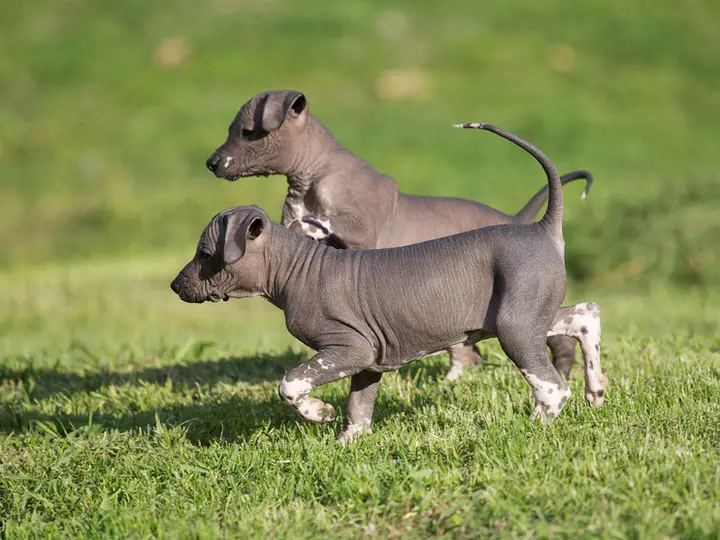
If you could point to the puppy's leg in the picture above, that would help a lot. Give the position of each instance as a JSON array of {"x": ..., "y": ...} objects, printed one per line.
[
  {"x": 358, "y": 416},
  {"x": 582, "y": 322},
  {"x": 342, "y": 230},
  {"x": 462, "y": 356},
  {"x": 317, "y": 228},
  {"x": 563, "y": 353},
  {"x": 329, "y": 364},
  {"x": 527, "y": 349}
]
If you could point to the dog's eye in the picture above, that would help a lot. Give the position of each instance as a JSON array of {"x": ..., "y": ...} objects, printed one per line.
[
  {"x": 247, "y": 132},
  {"x": 204, "y": 256}
]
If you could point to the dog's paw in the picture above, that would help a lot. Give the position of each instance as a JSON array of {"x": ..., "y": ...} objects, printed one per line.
[
  {"x": 597, "y": 398},
  {"x": 316, "y": 228},
  {"x": 541, "y": 413},
  {"x": 353, "y": 432},
  {"x": 315, "y": 410},
  {"x": 296, "y": 226}
]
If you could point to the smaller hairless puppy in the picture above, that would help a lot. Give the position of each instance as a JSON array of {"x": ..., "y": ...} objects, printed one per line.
[
  {"x": 366, "y": 312},
  {"x": 339, "y": 199}
]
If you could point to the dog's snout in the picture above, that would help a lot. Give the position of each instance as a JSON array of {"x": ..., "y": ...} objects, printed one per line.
[
  {"x": 175, "y": 286},
  {"x": 213, "y": 162}
]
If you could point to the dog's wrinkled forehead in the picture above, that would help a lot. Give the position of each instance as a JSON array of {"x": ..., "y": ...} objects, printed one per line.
[
  {"x": 213, "y": 233},
  {"x": 246, "y": 116}
]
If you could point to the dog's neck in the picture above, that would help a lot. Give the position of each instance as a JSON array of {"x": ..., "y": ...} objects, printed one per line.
[
  {"x": 317, "y": 155},
  {"x": 289, "y": 259}
]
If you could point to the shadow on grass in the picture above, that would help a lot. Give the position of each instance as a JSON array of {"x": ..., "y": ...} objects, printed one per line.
[
  {"x": 231, "y": 418},
  {"x": 43, "y": 383},
  {"x": 235, "y": 418}
]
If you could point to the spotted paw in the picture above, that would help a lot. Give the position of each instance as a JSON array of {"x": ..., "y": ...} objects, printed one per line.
[
  {"x": 597, "y": 398},
  {"x": 316, "y": 228},
  {"x": 540, "y": 414},
  {"x": 315, "y": 410}
]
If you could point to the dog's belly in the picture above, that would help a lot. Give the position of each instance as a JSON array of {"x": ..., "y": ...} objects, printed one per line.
[{"x": 392, "y": 361}]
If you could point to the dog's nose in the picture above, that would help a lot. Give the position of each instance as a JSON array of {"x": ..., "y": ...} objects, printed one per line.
[
  {"x": 175, "y": 286},
  {"x": 213, "y": 162}
]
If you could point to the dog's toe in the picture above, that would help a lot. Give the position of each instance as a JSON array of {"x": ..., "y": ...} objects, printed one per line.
[{"x": 595, "y": 399}]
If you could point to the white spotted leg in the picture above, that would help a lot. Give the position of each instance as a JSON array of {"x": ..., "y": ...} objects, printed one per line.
[
  {"x": 529, "y": 353},
  {"x": 316, "y": 228},
  {"x": 329, "y": 364},
  {"x": 582, "y": 321}
]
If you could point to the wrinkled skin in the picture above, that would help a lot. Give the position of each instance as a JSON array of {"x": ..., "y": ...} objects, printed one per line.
[
  {"x": 274, "y": 133},
  {"x": 214, "y": 274},
  {"x": 332, "y": 304},
  {"x": 258, "y": 143}
]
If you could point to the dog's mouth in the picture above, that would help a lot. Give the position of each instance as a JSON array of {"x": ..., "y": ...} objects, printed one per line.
[
  {"x": 246, "y": 174},
  {"x": 218, "y": 297}
]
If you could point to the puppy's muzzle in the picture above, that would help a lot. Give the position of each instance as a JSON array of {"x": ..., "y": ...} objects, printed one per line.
[
  {"x": 178, "y": 288},
  {"x": 220, "y": 164}
]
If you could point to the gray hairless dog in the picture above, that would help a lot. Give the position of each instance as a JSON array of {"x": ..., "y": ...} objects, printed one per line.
[
  {"x": 339, "y": 199},
  {"x": 366, "y": 312}
]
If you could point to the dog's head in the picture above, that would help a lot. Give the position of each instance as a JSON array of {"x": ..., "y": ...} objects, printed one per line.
[
  {"x": 259, "y": 141},
  {"x": 230, "y": 258}
]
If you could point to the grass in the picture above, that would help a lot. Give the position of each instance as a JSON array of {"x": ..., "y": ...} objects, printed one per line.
[
  {"x": 171, "y": 426},
  {"x": 125, "y": 413}
]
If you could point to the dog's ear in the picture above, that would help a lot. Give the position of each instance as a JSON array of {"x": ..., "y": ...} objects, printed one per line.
[
  {"x": 242, "y": 225},
  {"x": 280, "y": 105}
]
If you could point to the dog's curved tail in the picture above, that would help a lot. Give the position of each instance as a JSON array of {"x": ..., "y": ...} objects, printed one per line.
[
  {"x": 530, "y": 210},
  {"x": 552, "y": 220}
]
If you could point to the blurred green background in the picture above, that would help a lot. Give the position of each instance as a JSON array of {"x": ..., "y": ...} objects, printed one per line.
[{"x": 109, "y": 111}]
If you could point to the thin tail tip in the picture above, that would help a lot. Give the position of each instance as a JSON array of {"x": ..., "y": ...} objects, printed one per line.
[
  {"x": 471, "y": 125},
  {"x": 586, "y": 191}
]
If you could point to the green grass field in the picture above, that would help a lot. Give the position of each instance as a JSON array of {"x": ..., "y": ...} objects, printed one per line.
[{"x": 125, "y": 413}]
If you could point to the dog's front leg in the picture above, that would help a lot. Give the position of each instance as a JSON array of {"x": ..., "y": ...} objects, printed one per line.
[
  {"x": 582, "y": 321},
  {"x": 342, "y": 230},
  {"x": 358, "y": 415},
  {"x": 329, "y": 364}
]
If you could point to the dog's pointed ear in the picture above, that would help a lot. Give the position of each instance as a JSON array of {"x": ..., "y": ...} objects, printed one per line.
[
  {"x": 243, "y": 225},
  {"x": 280, "y": 105}
]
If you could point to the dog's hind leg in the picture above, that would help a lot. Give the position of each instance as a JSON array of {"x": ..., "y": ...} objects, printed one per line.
[
  {"x": 582, "y": 322},
  {"x": 360, "y": 405},
  {"x": 462, "y": 357},
  {"x": 563, "y": 353},
  {"x": 527, "y": 349}
]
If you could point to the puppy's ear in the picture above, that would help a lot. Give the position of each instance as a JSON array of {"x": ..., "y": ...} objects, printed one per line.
[
  {"x": 243, "y": 225},
  {"x": 280, "y": 105}
]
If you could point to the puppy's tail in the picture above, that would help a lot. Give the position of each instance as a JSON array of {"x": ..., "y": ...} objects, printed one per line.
[
  {"x": 552, "y": 220},
  {"x": 530, "y": 210}
]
